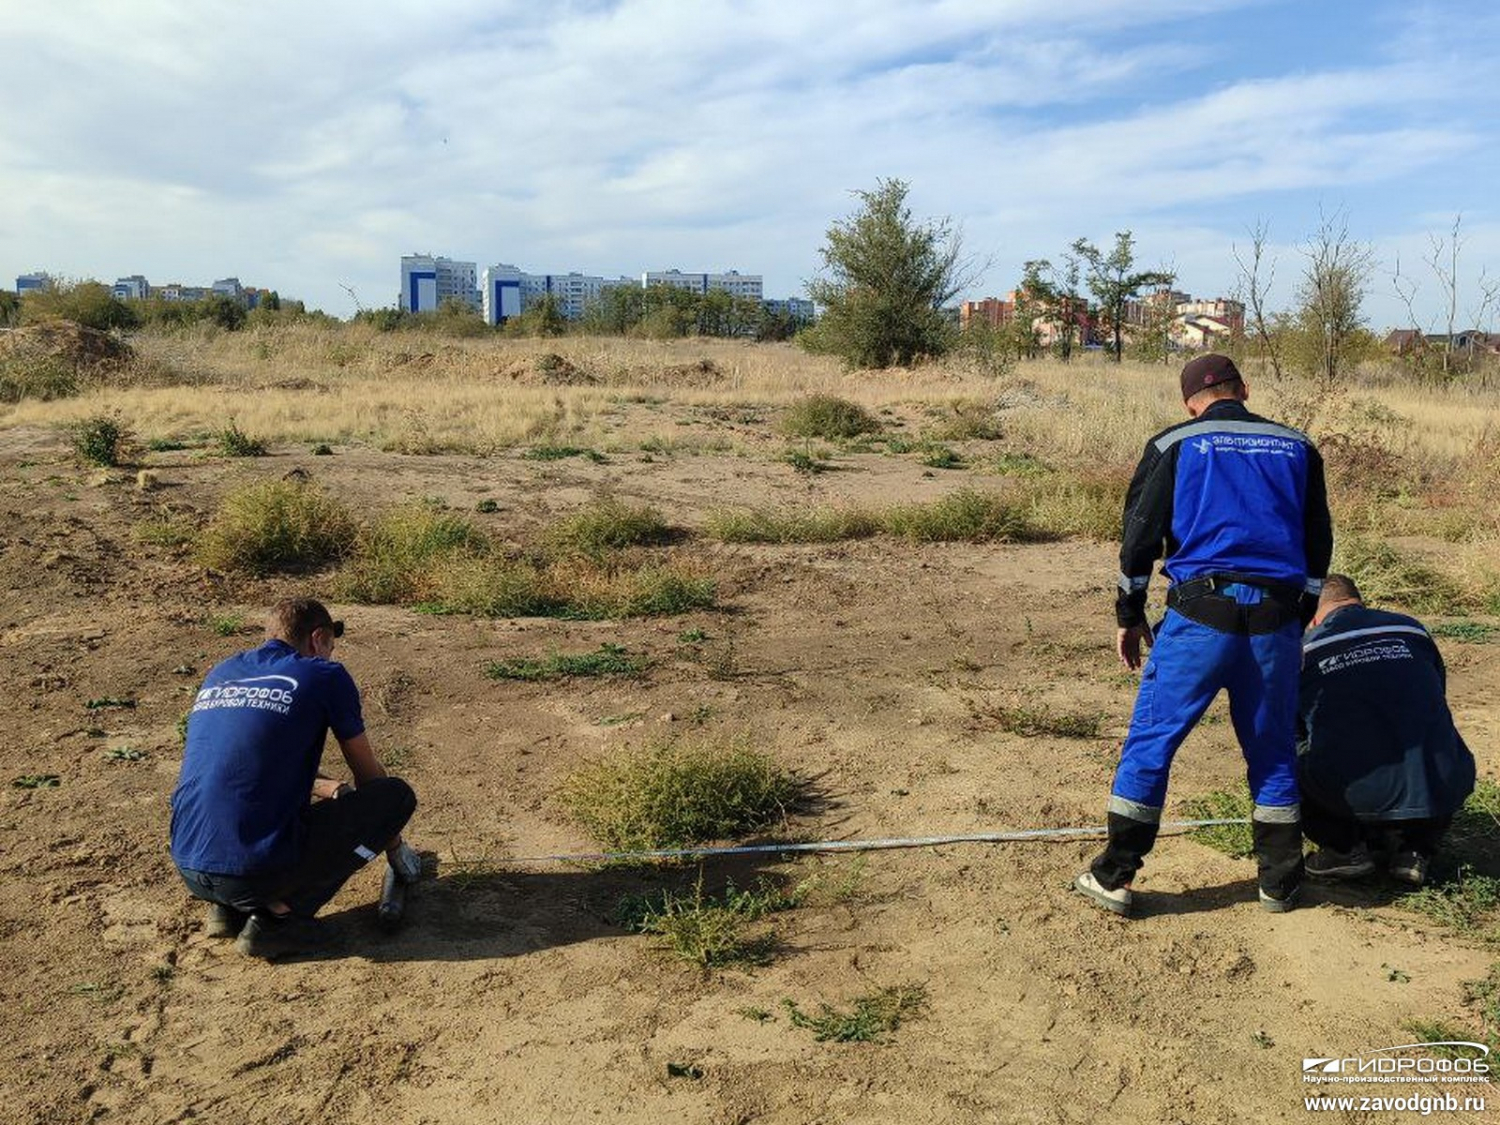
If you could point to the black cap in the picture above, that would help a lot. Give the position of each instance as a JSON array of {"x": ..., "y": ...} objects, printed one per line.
[{"x": 1207, "y": 371}]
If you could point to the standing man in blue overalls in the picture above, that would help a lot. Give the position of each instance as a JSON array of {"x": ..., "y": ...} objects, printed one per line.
[{"x": 1238, "y": 505}]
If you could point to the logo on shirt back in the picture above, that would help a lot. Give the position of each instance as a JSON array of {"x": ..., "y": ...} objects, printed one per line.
[
  {"x": 1247, "y": 443},
  {"x": 261, "y": 693}
]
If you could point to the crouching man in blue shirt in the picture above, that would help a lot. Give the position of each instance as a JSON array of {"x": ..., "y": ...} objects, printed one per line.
[
  {"x": 245, "y": 836},
  {"x": 1382, "y": 768}
]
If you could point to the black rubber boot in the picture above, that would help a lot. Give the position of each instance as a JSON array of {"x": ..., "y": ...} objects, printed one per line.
[
  {"x": 1278, "y": 852},
  {"x": 1130, "y": 841}
]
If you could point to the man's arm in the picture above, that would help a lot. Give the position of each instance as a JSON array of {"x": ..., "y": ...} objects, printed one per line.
[
  {"x": 1148, "y": 518},
  {"x": 1317, "y": 533},
  {"x": 361, "y": 759}
]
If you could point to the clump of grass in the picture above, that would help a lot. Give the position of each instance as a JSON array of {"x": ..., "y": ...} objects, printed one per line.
[
  {"x": 941, "y": 457},
  {"x": 321, "y": 449},
  {"x": 1085, "y": 505},
  {"x": 1233, "y": 840},
  {"x": 590, "y": 589},
  {"x": 608, "y": 660},
  {"x": 1442, "y": 1032},
  {"x": 606, "y": 524},
  {"x": 707, "y": 930},
  {"x": 790, "y": 525},
  {"x": 676, "y": 795},
  {"x": 827, "y": 417},
  {"x": 805, "y": 461},
  {"x": 1034, "y": 719},
  {"x": 1465, "y": 903},
  {"x": 547, "y": 452},
  {"x": 125, "y": 754},
  {"x": 99, "y": 440},
  {"x": 277, "y": 526},
  {"x": 1384, "y": 574},
  {"x": 166, "y": 530},
  {"x": 397, "y": 556},
  {"x": 967, "y": 515},
  {"x": 109, "y": 702},
  {"x": 871, "y": 1019},
  {"x": 967, "y": 420},
  {"x": 227, "y": 624},
  {"x": 234, "y": 442},
  {"x": 166, "y": 445},
  {"x": 1465, "y": 632},
  {"x": 40, "y": 377},
  {"x": 487, "y": 506},
  {"x": 1010, "y": 464}
]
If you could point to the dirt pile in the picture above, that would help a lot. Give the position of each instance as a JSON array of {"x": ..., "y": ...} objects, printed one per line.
[{"x": 77, "y": 347}]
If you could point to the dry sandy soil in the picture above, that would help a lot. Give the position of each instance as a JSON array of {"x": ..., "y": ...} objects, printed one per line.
[{"x": 510, "y": 995}]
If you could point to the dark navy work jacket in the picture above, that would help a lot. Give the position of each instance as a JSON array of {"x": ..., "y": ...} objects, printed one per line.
[{"x": 1381, "y": 744}]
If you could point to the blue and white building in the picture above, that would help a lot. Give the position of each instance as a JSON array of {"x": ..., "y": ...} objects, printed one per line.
[
  {"x": 33, "y": 283},
  {"x": 427, "y": 281},
  {"x": 733, "y": 282},
  {"x": 507, "y": 291},
  {"x": 132, "y": 288}
]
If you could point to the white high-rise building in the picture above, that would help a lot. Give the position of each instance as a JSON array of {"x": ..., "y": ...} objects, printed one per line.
[
  {"x": 427, "y": 281},
  {"x": 508, "y": 292},
  {"x": 132, "y": 288},
  {"x": 733, "y": 282}
]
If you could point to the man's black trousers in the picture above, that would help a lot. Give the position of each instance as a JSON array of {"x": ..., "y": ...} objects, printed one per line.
[{"x": 342, "y": 836}]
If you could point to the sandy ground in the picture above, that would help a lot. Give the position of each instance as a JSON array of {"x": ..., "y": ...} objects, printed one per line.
[{"x": 510, "y": 995}]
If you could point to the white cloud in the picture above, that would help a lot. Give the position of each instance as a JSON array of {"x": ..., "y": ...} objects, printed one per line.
[{"x": 308, "y": 146}]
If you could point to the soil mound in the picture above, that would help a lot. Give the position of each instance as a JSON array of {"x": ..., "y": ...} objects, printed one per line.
[
  {"x": 81, "y": 348},
  {"x": 551, "y": 370}
]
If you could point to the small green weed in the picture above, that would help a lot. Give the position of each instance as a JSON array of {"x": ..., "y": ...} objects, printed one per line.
[
  {"x": 942, "y": 457},
  {"x": 166, "y": 445},
  {"x": 706, "y": 930},
  {"x": 1465, "y": 632},
  {"x": 1035, "y": 719},
  {"x": 99, "y": 440},
  {"x": 487, "y": 506},
  {"x": 1465, "y": 903},
  {"x": 37, "y": 781},
  {"x": 166, "y": 530},
  {"x": 692, "y": 637},
  {"x": 560, "y": 452},
  {"x": 805, "y": 461},
  {"x": 105, "y": 702},
  {"x": 608, "y": 660},
  {"x": 827, "y": 417},
  {"x": 234, "y": 442},
  {"x": 872, "y": 1018},
  {"x": 227, "y": 625},
  {"x": 1448, "y": 1039},
  {"x": 1010, "y": 464},
  {"x": 321, "y": 449},
  {"x": 677, "y": 795},
  {"x": 754, "y": 1014},
  {"x": 125, "y": 754},
  {"x": 1231, "y": 839}
]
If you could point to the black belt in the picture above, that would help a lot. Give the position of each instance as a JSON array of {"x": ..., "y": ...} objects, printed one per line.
[{"x": 1202, "y": 600}]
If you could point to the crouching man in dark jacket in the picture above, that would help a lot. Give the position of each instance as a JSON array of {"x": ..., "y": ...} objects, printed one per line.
[{"x": 1382, "y": 768}]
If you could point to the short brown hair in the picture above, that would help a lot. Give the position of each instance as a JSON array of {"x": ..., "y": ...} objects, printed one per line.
[
  {"x": 1339, "y": 588},
  {"x": 295, "y": 620}
]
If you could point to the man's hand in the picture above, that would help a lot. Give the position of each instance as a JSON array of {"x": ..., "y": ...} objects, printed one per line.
[
  {"x": 1128, "y": 644},
  {"x": 327, "y": 788}
]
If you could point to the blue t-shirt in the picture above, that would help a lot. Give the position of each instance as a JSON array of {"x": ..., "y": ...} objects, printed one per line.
[{"x": 254, "y": 739}]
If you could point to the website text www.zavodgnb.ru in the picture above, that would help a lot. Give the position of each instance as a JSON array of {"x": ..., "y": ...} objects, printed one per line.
[{"x": 1424, "y": 1104}]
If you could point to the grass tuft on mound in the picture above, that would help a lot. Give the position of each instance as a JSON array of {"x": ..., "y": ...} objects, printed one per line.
[
  {"x": 828, "y": 417},
  {"x": 967, "y": 515},
  {"x": 707, "y": 930},
  {"x": 675, "y": 795},
  {"x": 277, "y": 526},
  {"x": 608, "y": 660},
  {"x": 790, "y": 525},
  {"x": 401, "y": 554}
]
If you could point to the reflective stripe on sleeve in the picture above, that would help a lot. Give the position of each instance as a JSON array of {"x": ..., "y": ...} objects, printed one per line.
[
  {"x": 1277, "y": 814},
  {"x": 1373, "y": 631}
]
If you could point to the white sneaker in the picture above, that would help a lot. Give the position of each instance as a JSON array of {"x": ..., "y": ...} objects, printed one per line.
[{"x": 1118, "y": 900}]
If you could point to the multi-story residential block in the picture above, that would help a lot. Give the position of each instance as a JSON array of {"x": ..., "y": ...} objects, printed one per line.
[
  {"x": 733, "y": 282},
  {"x": 508, "y": 291},
  {"x": 796, "y": 308},
  {"x": 1225, "y": 309},
  {"x": 176, "y": 291},
  {"x": 991, "y": 309},
  {"x": 132, "y": 288},
  {"x": 33, "y": 282},
  {"x": 229, "y": 287},
  {"x": 427, "y": 281}
]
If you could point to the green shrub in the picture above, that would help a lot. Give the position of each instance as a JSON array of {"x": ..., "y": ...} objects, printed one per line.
[
  {"x": 41, "y": 377},
  {"x": 967, "y": 515},
  {"x": 234, "y": 442},
  {"x": 827, "y": 417},
  {"x": 99, "y": 440},
  {"x": 277, "y": 526},
  {"x": 706, "y": 930},
  {"x": 941, "y": 457},
  {"x": 607, "y": 524},
  {"x": 790, "y": 525},
  {"x": 590, "y": 590},
  {"x": 678, "y": 795},
  {"x": 559, "y": 452}
]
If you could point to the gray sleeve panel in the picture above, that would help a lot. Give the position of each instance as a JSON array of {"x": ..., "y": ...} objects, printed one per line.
[{"x": 1266, "y": 429}]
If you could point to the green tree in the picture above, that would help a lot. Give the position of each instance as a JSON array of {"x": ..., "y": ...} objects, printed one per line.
[
  {"x": 89, "y": 303},
  {"x": 888, "y": 277},
  {"x": 1114, "y": 282},
  {"x": 224, "y": 311},
  {"x": 1328, "y": 318}
]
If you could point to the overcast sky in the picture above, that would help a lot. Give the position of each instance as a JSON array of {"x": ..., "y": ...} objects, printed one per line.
[{"x": 307, "y": 146}]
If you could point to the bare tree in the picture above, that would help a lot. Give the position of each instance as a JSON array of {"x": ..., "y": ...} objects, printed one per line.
[
  {"x": 1256, "y": 277},
  {"x": 1331, "y": 294}
]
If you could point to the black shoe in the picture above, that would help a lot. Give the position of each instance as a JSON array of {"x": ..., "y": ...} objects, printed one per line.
[
  {"x": 1280, "y": 904},
  {"x": 1325, "y": 863},
  {"x": 271, "y": 938},
  {"x": 224, "y": 921},
  {"x": 1409, "y": 868}
]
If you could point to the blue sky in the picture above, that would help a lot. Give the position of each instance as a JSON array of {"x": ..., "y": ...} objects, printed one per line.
[{"x": 307, "y": 147}]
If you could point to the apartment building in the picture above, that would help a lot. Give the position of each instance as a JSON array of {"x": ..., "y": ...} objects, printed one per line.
[
  {"x": 428, "y": 280},
  {"x": 733, "y": 282}
]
